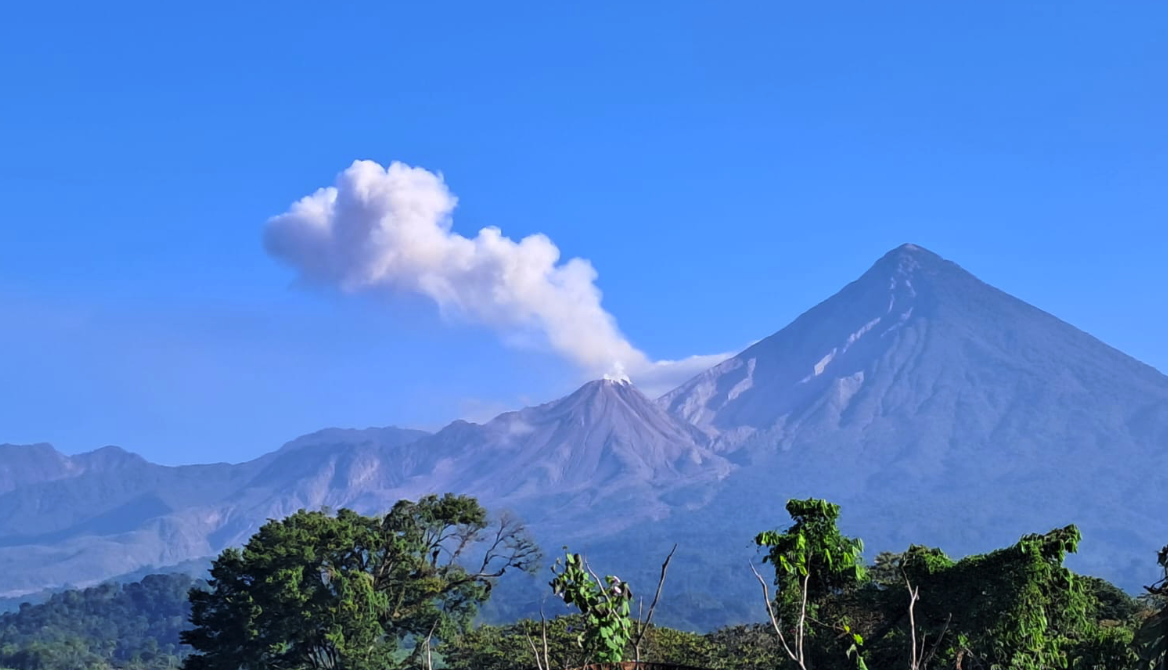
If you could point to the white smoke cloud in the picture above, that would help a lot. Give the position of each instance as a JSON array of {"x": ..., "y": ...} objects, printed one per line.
[{"x": 390, "y": 228}]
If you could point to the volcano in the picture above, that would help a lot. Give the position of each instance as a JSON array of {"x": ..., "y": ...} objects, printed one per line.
[
  {"x": 939, "y": 410},
  {"x": 936, "y": 409}
]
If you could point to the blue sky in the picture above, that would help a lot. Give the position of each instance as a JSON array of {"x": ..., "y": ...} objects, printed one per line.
[{"x": 723, "y": 166}]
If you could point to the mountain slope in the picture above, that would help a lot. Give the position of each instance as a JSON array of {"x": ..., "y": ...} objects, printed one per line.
[
  {"x": 913, "y": 313},
  {"x": 605, "y": 444},
  {"x": 604, "y": 447},
  {"x": 84, "y": 518},
  {"x": 939, "y": 409}
]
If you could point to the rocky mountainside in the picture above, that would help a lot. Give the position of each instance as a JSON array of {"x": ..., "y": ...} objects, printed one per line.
[
  {"x": 106, "y": 513},
  {"x": 606, "y": 446},
  {"x": 950, "y": 412},
  {"x": 80, "y": 519},
  {"x": 935, "y": 408},
  {"x": 928, "y": 328}
]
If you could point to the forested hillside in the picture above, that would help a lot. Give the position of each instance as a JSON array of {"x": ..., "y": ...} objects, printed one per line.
[{"x": 134, "y": 626}]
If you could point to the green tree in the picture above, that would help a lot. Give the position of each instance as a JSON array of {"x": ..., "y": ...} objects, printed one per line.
[
  {"x": 1110, "y": 604},
  {"x": 885, "y": 569},
  {"x": 812, "y": 561},
  {"x": 110, "y": 625},
  {"x": 608, "y": 625},
  {"x": 1016, "y": 608},
  {"x": 1103, "y": 648},
  {"x": 320, "y": 591},
  {"x": 1152, "y": 640}
]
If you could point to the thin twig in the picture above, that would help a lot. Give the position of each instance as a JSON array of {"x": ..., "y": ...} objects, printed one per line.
[
  {"x": 937, "y": 645},
  {"x": 643, "y": 626},
  {"x": 547, "y": 662},
  {"x": 603, "y": 585}
]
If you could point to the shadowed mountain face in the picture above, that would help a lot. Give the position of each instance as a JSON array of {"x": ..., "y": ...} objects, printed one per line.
[{"x": 935, "y": 408}]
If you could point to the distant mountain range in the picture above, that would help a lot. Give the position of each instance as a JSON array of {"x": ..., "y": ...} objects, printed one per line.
[{"x": 935, "y": 408}]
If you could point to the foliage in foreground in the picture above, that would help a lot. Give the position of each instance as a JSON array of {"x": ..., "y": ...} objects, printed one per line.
[
  {"x": 1017, "y": 608},
  {"x": 607, "y": 625},
  {"x": 510, "y": 647},
  {"x": 1151, "y": 641},
  {"x": 346, "y": 591}
]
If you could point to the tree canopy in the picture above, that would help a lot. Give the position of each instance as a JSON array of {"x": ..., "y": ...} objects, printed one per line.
[
  {"x": 133, "y": 625},
  {"x": 321, "y": 590},
  {"x": 317, "y": 590}
]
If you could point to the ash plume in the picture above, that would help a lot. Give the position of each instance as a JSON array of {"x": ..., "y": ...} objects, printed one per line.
[{"x": 389, "y": 228}]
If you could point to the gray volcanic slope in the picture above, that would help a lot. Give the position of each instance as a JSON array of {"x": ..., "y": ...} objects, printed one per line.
[
  {"x": 604, "y": 453},
  {"x": 605, "y": 443},
  {"x": 937, "y": 410},
  {"x": 80, "y": 519}
]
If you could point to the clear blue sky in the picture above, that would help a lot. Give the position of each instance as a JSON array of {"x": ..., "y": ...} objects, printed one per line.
[{"x": 724, "y": 166}]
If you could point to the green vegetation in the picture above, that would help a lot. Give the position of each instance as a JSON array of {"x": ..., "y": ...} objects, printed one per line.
[
  {"x": 608, "y": 624},
  {"x": 813, "y": 561},
  {"x": 134, "y": 626},
  {"x": 1017, "y": 608},
  {"x": 608, "y": 627},
  {"x": 1151, "y": 642},
  {"x": 345, "y": 591}
]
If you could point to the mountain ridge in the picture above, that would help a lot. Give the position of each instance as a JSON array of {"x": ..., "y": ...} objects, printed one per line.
[
  {"x": 933, "y": 406},
  {"x": 898, "y": 268},
  {"x": 93, "y": 523},
  {"x": 946, "y": 411}
]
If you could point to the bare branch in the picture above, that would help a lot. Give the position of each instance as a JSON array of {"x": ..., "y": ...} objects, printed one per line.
[
  {"x": 920, "y": 657},
  {"x": 766, "y": 596},
  {"x": 643, "y": 626},
  {"x": 913, "y": 596},
  {"x": 640, "y": 630},
  {"x": 660, "y": 584},
  {"x": 429, "y": 637},
  {"x": 936, "y": 645},
  {"x": 547, "y": 662},
  {"x": 535, "y": 652},
  {"x": 802, "y": 626},
  {"x": 512, "y": 545}
]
